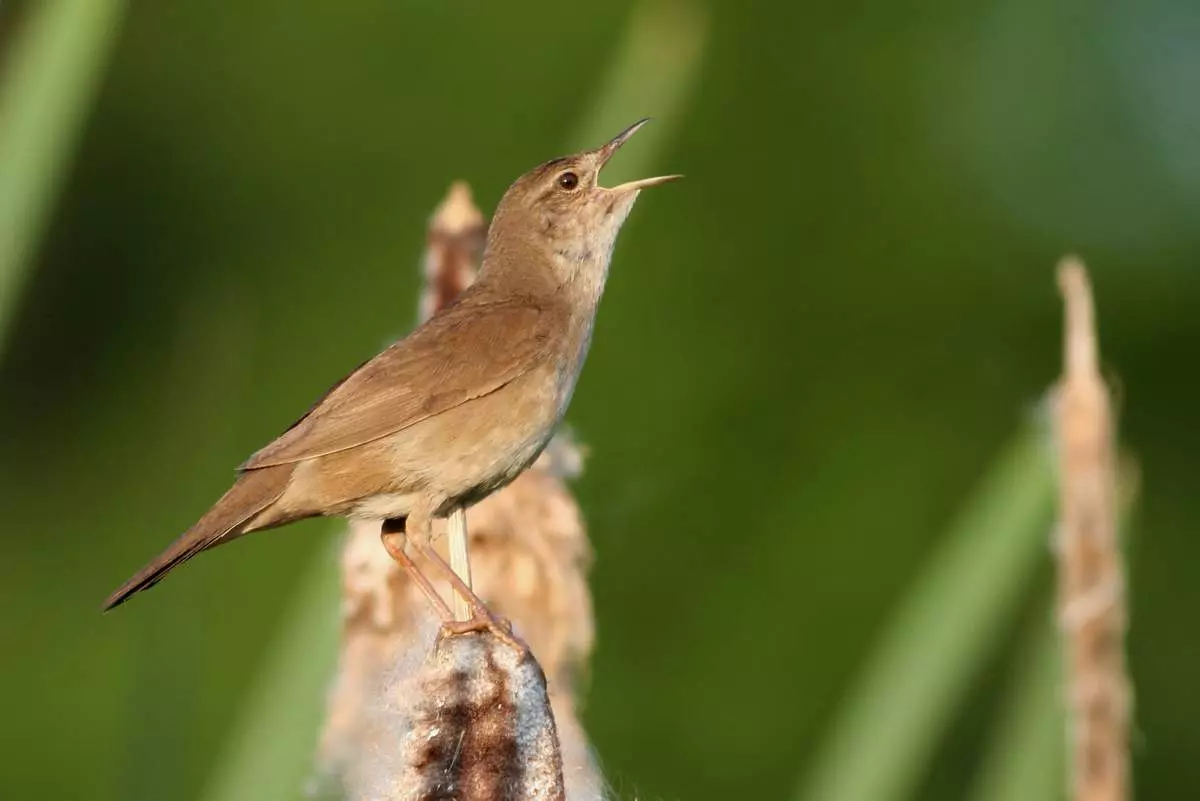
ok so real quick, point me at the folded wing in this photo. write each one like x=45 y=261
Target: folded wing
x=469 y=350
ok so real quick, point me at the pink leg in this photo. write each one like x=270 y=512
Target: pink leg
x=393 y=530
x=420 y=532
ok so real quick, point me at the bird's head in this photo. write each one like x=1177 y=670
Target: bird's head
x=561 y=208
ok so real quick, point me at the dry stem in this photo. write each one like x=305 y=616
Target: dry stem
x=460 y=558
x=1091 y=576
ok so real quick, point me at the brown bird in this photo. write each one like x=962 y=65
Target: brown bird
x=458 y=408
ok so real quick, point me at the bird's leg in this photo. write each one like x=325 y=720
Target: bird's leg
x=389 y=533
x=420 y=532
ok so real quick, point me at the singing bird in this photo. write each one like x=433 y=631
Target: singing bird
x=459 y=407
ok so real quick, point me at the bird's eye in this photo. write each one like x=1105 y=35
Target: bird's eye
x=568 y=180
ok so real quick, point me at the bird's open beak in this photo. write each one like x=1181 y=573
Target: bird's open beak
x=606 y=152
x=631 y=186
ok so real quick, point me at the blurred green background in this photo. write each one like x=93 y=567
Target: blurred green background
x=809 y=355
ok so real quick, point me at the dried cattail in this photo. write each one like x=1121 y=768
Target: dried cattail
x=529 y=557
x=1090 y=568
x=453 y=245
x=473 y=723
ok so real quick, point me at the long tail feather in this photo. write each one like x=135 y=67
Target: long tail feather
x=254 y=491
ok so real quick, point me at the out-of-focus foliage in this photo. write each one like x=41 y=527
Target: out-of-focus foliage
x=914 y=681
x=808 y=353
x=1026 y=758
x=49 y=78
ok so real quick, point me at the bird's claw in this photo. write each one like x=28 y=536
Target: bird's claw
x=483 y=620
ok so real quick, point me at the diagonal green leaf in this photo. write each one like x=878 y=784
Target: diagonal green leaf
x=652 y=74
x=50 y=77
x=891 y=721
x=1025 y=757
x=269 y=752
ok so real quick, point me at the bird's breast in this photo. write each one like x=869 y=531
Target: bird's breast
x=569 y=365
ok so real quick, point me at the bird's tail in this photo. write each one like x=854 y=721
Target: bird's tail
x=254 y=491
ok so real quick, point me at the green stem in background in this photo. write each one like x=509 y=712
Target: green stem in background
x=888 y=728
x=50 y=76
x=269 y=751
x=272 y=748
x=1025 y=757
x=652 y=74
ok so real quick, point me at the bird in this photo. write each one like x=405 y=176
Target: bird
x=460 y=406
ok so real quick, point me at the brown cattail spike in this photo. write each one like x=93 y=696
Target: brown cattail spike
x=453 y=248
x=1091 y=575
x=481 y=729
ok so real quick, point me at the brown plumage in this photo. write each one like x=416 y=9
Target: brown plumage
x=459 y=407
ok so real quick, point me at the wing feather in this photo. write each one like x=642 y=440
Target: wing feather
x=469 y=350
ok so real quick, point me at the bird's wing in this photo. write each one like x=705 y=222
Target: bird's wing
x=465 y=352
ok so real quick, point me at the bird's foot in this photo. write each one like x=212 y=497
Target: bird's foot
x=483 y=620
